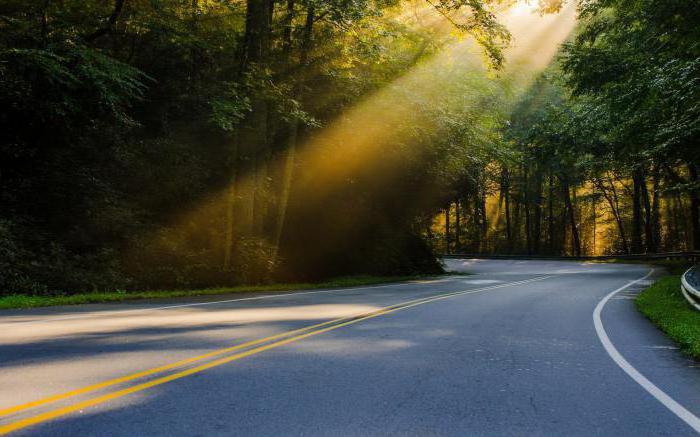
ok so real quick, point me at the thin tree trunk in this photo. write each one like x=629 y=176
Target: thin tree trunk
x=636 y=212
x=287 y=32
x=109 y=25
x=509 y=225
x=694 y=195
x=677 y=219
x=447 y=229
x=253 y=144
x=648 y=226
x=515 y=229
x=505 y=192
x=528 y=227
x=484 y=218
x=457 y=226
x=550 y=213
x=576 y=242
x=655 y=209
x=594 y=217
x=537 y=225
x=229 y=219
x=290 y=150
x=615 y=212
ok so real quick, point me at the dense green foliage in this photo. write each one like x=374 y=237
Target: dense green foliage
x=202 y=143
x=152 y=144
x=664 y=305
x=606 y=143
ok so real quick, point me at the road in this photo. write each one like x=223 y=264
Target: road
x=514 y=349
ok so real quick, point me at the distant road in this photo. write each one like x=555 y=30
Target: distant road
x=519 y=348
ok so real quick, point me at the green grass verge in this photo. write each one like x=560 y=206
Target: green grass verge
x=28 y=301
x=672 y=266
x=666 y=307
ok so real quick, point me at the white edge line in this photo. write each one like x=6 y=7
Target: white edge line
x=679 y=410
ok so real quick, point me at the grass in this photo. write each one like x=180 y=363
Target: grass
x=29 y=301
x=666 y=307
x=672 y=266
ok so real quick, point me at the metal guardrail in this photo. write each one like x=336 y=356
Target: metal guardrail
x=689 y=255
x=690 y=287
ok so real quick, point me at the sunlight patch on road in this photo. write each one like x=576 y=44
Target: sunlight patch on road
x=177 y=319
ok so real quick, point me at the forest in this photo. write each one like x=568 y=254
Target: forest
x=151 y=144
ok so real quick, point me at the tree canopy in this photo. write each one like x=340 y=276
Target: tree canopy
x=172 y=143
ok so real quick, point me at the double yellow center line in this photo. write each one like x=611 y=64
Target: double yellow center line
x=256 y=346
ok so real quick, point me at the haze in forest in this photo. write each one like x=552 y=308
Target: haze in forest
x=212 y=143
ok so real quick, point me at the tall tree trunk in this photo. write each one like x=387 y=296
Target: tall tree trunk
x=566 y=191
x=655 y=209
x=648 y=226
x=484 y=219
x=252 y=135
x=676 y=219
x=526 y=201
x=515 y=229
x=550 y=213
x=594 y=218
x=287 y=23
x=458 y=230
x=637 y=180
x=563 y=241
x=694 y=195
x=290 y=150
x=505 y=192
x=537 y=225
x=229 y=219
x=447 y=228
x=612 y=203
x=253 y=145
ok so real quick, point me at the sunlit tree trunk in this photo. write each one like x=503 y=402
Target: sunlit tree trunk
x=676 y=218
x=526 y=201
x=290 y=150
x=564 y=223
x=648 y=225
x=253 y=144
x=252 y=135
x=537 y=225
x=458 y=229
x=612 y=203
x=505 y=193
x=594 y=219
x=550 y=213
x=637 y=180
x=484 y=218
x=229 y=219
x=571 y=213
x=517 y=213
x=447 y=229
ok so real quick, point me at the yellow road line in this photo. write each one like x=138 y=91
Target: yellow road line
x=148 y=372
x=319 y=329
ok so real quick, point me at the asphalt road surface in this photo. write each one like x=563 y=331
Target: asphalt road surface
x=518 y=348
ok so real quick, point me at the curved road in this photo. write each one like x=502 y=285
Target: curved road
x=511 y=350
